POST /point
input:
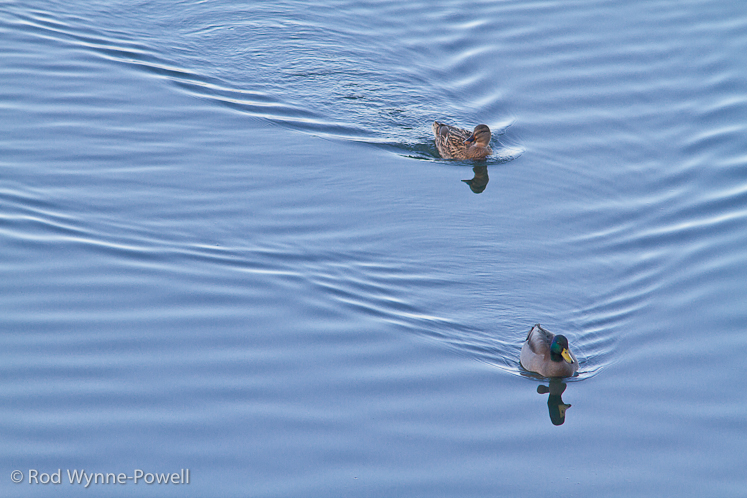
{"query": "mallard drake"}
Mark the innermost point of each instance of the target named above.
(547, 354)
(457, 143)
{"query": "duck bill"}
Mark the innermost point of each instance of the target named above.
(562, 408)
(470, 139)
(566, 356)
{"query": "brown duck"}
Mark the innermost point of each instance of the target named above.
(457, 143)
(547, 354)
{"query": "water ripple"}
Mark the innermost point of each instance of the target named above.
(330, 72)
(341, 80)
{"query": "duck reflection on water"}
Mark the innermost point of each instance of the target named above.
(554, 401)
(480, 181)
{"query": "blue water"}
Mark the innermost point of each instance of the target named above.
(229, 246)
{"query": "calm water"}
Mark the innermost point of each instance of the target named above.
(229, 246)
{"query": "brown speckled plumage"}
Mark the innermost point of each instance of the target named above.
(458, 143)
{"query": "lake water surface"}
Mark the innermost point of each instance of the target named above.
(229, 246)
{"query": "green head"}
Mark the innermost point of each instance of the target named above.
(559, 349)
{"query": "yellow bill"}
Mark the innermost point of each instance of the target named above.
(566, 355)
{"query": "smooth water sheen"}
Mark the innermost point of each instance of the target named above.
(229, 246)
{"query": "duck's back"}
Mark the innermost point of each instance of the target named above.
(536, 349)
(450, 140)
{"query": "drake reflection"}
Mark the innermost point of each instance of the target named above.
(480, 181)
(554, 401)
